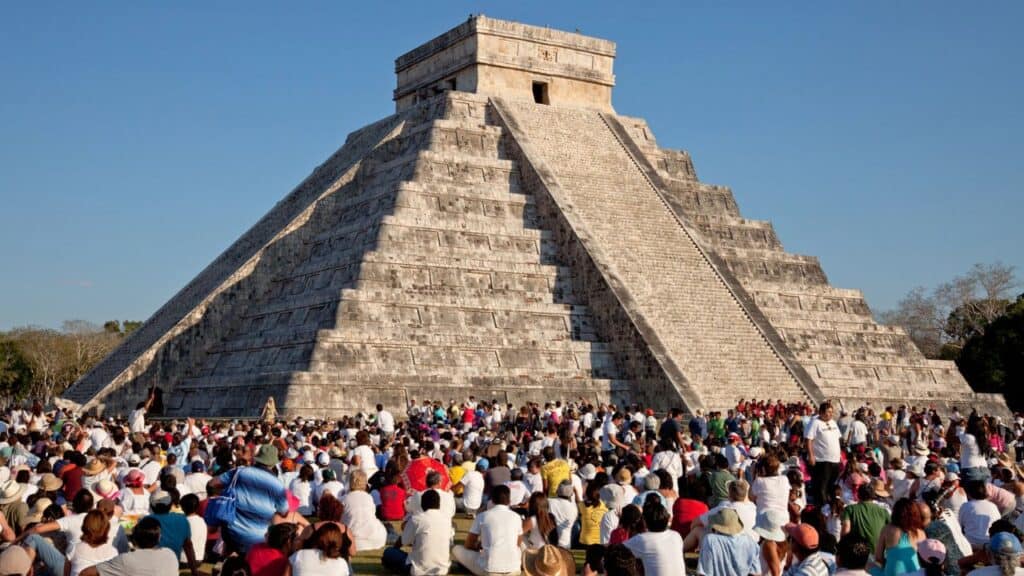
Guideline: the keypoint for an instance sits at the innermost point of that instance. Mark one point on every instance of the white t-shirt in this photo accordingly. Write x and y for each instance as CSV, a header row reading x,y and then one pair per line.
x,y
858,433
610,431
137,420
499,530
660,552
824,437
198,527
565,513
386,421
671,462
310,563
472,490
970,454
83,556
72,526
429,535
361,518
771,493
367,459
976,517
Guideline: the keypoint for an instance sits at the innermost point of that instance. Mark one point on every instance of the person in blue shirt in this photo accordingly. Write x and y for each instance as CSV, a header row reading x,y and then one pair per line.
x,y
175,532
260,495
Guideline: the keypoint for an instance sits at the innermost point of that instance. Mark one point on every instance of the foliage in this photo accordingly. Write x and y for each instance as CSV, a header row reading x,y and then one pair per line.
x,y
941,322
42,362
993,360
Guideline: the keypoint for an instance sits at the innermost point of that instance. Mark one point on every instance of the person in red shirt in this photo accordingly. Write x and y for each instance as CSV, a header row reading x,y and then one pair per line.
x,y
71,473
684,512
392,496
270,558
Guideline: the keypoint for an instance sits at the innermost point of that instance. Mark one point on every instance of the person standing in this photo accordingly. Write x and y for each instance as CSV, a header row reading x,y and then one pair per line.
x,y
822,437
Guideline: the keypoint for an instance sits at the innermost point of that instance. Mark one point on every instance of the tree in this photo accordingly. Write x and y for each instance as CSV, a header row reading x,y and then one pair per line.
x,y
130,326
112,326
941,322
15,371
993,359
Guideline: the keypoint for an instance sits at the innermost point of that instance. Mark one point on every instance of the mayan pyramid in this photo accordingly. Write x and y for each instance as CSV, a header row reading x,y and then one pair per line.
x,y
506,234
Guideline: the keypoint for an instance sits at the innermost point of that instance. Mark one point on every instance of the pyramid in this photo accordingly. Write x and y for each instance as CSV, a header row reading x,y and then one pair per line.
x,y
505,234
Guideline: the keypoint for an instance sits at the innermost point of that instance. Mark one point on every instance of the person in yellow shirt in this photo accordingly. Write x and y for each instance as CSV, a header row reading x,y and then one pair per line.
x,y
553,472
592,510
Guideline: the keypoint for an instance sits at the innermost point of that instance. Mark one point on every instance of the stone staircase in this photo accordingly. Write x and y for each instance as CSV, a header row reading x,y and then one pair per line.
x,y
707,344
433,278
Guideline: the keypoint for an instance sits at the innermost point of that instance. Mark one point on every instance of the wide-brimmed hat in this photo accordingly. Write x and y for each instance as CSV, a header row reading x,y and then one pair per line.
x,y
267,455
49,482
94,467
107,489
35,513
879,487
588,471
14,560
10,491
134,479
726,521
770,524
548,560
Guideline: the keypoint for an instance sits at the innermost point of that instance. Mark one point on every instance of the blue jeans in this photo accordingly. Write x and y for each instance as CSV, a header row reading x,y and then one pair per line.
x,y
46,552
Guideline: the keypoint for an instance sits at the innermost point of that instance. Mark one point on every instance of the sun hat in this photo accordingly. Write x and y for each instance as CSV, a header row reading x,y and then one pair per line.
x,y
1005,544
548,560
770,525
932,550
49,482
10,491
624,476
726,521
611,495
588,472
35,513
14,560
94,467
879,487
134,479
803,534
267,456
107,489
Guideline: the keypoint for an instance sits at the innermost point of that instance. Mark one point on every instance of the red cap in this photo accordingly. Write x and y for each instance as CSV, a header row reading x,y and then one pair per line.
x,y
803,534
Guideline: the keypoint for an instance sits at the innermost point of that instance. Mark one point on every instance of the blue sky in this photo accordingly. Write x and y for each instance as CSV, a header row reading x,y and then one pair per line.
x,y
140,139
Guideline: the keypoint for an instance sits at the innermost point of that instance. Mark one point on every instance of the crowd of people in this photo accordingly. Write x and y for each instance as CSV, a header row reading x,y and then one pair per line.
x,y
764,488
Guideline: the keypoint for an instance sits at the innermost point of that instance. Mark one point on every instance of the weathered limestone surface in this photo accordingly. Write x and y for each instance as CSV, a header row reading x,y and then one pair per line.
x,y
506,235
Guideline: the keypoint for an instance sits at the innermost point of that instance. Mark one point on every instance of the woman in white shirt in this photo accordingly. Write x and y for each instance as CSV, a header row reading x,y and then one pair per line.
x,y
770,491
973,449
667,458
324,555
135,498
94,546
361,515
302,489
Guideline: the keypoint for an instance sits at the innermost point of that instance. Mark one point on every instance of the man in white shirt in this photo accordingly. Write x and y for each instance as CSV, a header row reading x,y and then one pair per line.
x,y
565,512
659,549
137,418
473,488
429,533
494,541
385,421
823,453
433,482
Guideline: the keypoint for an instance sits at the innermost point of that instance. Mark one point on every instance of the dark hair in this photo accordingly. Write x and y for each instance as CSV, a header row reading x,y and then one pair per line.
x,y
655,516
328,540
189,504
538,508
82,502
306,473
500,494
330,508
595,558
975,490
632,520
619,561
853,553
279,535
430,500
147,533
95,527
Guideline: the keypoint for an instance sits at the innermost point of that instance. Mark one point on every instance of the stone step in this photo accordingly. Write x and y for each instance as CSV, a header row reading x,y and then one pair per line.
x,y
493,316
858,324
452,274
431,166
469,299
780,316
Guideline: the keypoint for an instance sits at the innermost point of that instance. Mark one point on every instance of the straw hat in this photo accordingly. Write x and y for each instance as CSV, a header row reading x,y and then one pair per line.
x,y
94,467
726,521
50,483
548,560
10,491
879,487
107,489
35,514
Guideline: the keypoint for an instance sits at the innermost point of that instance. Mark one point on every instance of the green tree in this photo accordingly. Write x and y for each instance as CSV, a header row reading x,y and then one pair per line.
x,y
130,326
112,327
993,360
15,371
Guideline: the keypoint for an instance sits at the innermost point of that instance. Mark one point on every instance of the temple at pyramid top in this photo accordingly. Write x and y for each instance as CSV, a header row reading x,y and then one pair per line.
x,y
511,60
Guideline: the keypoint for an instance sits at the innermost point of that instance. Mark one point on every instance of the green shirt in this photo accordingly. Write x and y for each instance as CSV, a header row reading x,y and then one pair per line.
x,y
716,428
866,520
719,482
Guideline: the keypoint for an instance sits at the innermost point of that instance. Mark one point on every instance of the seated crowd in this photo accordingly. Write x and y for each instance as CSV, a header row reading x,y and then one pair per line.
x,y
766,488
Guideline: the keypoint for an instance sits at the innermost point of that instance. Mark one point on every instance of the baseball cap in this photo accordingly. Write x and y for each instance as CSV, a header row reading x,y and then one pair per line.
x,y
804,535
932,550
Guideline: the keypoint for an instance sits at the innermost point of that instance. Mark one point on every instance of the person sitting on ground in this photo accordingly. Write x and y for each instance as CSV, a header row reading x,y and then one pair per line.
x,y
494,540
94,546
977,514
331,510
361,515
148,558
726,549
852,556
659,549
270,558
429,533
1004,550
807,561
322,556
539,526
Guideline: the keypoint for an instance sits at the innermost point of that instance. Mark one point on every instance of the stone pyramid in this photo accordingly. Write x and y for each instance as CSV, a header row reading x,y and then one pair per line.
x,y
506,235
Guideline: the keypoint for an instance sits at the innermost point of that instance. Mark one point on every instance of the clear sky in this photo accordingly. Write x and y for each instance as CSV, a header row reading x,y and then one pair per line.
x,y
139,139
